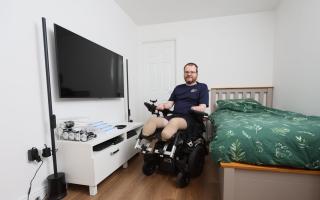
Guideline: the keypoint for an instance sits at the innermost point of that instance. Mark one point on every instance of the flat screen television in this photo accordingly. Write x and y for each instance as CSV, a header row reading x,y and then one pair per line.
x,y
86,69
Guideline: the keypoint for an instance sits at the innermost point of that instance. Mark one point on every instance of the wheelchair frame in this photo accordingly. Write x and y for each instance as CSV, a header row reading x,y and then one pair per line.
x,y
180,163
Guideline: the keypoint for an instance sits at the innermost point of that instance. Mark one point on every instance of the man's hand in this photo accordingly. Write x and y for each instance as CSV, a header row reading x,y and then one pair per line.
x,y
166,105
200,108
160,107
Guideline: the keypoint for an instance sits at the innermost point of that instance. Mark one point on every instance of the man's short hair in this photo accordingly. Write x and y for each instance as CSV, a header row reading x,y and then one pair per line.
x,y
191,64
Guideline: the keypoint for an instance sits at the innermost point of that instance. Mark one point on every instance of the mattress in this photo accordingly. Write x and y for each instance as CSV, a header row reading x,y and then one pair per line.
x,y
248,132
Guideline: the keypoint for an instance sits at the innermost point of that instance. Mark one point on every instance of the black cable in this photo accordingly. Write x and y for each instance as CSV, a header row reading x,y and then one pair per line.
x,y
33,178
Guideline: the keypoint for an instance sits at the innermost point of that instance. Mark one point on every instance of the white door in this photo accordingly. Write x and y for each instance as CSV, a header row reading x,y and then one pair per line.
x,y
158,72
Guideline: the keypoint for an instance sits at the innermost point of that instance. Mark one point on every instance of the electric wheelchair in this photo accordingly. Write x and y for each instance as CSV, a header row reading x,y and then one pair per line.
x,y
183,155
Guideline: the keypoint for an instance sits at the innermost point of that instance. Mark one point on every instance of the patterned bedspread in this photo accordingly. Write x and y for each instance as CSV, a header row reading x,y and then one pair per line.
x,y
248,132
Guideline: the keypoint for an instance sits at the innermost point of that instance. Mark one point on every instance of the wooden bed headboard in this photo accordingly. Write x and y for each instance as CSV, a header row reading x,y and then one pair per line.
x,y
264,95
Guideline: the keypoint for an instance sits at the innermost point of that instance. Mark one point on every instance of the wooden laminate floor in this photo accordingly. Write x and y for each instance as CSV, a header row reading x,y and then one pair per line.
x,y
132,184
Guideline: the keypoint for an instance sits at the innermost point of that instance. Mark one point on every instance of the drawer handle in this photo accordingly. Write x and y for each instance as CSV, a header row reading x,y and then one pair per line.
x,y
116,151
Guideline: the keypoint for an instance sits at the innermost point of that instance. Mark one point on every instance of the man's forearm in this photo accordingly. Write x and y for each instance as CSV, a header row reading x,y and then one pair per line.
x,y
168,104
201,107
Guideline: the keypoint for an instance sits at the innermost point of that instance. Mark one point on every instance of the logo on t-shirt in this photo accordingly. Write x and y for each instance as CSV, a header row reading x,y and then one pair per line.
x,y
193,90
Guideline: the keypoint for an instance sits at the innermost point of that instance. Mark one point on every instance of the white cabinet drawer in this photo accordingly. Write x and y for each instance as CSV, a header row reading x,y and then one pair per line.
x,y
106,161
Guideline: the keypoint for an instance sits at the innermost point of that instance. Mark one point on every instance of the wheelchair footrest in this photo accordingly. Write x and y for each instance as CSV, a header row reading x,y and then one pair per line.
x,y
166,150
144,147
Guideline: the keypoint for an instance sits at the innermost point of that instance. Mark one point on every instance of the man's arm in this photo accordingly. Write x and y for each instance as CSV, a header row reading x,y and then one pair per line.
x,y
166,105
203,99
201,107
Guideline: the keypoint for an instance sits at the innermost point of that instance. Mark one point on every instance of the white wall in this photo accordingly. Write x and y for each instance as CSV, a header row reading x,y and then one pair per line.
x,y
230,51
297,57
24,110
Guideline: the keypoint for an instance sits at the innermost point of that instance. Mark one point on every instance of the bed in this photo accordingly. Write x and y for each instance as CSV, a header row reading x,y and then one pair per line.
x,y
280,173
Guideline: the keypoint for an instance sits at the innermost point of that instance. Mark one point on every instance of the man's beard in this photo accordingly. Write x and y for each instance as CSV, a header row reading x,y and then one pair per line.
x,y
190,81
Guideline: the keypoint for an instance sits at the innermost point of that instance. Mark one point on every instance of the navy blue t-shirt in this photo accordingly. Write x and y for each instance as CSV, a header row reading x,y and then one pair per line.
x,y
184,97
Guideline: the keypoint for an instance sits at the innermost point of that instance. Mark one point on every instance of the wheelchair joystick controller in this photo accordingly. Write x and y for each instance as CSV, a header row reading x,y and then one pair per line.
x,y
153,101
153,109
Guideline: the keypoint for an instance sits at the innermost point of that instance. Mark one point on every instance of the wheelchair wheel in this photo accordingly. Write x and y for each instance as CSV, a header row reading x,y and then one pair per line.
x,y
148,169
196,161
183,179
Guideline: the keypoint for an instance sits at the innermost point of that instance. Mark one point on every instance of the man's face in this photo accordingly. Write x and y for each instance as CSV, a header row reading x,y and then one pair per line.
x,y
190,74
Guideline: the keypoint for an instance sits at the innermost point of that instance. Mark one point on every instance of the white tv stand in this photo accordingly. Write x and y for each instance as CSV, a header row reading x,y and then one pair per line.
x,y
82,165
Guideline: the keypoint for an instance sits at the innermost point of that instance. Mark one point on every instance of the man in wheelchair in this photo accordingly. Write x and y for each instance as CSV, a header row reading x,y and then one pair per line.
x,y
173,142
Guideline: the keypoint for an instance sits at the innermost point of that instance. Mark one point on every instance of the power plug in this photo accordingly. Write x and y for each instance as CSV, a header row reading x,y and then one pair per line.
x,y
46,151
33,154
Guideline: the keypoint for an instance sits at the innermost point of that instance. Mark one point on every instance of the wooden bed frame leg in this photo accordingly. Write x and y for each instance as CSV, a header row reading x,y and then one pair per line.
x,y
227,182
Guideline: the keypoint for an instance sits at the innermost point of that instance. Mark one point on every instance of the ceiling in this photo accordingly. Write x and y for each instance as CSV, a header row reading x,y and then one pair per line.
x,y
147,12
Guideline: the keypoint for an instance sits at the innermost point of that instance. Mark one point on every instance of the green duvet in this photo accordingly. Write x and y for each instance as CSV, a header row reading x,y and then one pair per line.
x,y
248,132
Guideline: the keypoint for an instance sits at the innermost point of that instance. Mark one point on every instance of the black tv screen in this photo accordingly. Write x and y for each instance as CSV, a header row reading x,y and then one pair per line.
x,y
86,69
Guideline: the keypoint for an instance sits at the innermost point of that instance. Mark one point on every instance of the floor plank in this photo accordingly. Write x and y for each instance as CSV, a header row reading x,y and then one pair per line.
x,y
132,184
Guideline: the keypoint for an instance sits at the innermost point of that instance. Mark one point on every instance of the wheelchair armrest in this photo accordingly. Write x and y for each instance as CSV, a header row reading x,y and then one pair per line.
x,y
165,112
198,113
199,116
